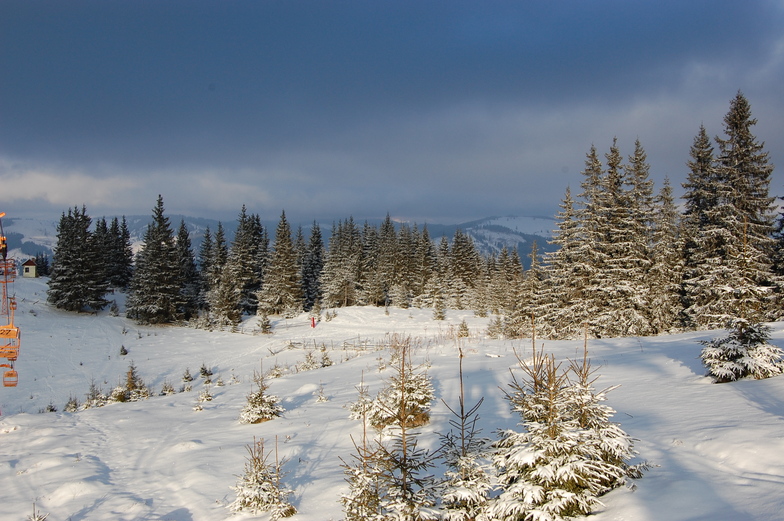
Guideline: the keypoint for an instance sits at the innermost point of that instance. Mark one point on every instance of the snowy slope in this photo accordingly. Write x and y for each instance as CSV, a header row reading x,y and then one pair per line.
x,y
718,449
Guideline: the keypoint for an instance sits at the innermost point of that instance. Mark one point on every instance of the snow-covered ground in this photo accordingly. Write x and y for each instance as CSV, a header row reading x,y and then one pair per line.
x,y
718,450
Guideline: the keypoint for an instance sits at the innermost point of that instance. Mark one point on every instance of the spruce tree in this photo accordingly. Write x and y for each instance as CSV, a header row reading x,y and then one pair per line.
x,y
744,353
408,492
205,268
120,254
343,265
401,292
312,265
156,288
526,318
261,488
777,258
220,254
385,264
699,229
567,453
370,279
260,405
78,278
665,274
102,245
567,274
281,292
619,286
464,268
240,279
743,164
497,289
590,244
467,486
42,264
213,274
363,501
408,394
424,267
728,269
189,273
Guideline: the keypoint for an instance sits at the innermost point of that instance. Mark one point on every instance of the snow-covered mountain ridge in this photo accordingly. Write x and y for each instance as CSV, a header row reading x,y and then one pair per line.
x,y
29,236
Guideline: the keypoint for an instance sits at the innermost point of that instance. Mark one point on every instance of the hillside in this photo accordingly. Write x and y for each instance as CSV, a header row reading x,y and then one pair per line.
x,y
718,450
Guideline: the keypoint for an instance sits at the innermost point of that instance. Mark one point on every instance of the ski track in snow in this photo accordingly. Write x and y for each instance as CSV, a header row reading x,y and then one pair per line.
x,y
717,451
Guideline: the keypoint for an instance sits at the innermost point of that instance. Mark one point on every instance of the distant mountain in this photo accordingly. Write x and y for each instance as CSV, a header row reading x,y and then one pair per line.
x,y
28,237
494,233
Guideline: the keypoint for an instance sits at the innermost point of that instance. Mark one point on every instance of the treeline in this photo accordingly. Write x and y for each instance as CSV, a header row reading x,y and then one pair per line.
x,y
629,261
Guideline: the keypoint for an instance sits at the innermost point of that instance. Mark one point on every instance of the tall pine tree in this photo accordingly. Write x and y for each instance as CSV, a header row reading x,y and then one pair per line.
x,y
281,292
156,288
78,278
189,274
312,264
729,222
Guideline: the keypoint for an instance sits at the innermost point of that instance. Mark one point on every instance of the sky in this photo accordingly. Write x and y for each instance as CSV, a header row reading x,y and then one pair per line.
x,y
439,112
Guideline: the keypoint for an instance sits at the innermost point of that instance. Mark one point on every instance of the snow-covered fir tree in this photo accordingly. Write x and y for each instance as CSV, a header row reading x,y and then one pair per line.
x,y
312,265
407,395
567,453
132,389
591,219
383,265
666,271
224,300
728,272
464,267
281,291
407,492
205,268
42,264
467,480
102,245
78,278
403,288
121,254
424,268
260,405
527,316
363,499
744,353
245,261
95,396
567,276
622,260
156,288
213,256
343,265
189,273
700,229
777,259
605,437
261,488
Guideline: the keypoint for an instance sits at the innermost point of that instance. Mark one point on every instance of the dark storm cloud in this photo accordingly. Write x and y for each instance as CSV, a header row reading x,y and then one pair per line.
x,y
435,110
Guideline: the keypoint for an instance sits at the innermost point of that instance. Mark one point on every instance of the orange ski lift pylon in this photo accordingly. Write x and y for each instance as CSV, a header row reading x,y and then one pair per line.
x,y
10,335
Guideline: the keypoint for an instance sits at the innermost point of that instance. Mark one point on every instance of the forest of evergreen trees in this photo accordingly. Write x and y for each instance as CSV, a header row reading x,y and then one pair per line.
x,y
629,261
